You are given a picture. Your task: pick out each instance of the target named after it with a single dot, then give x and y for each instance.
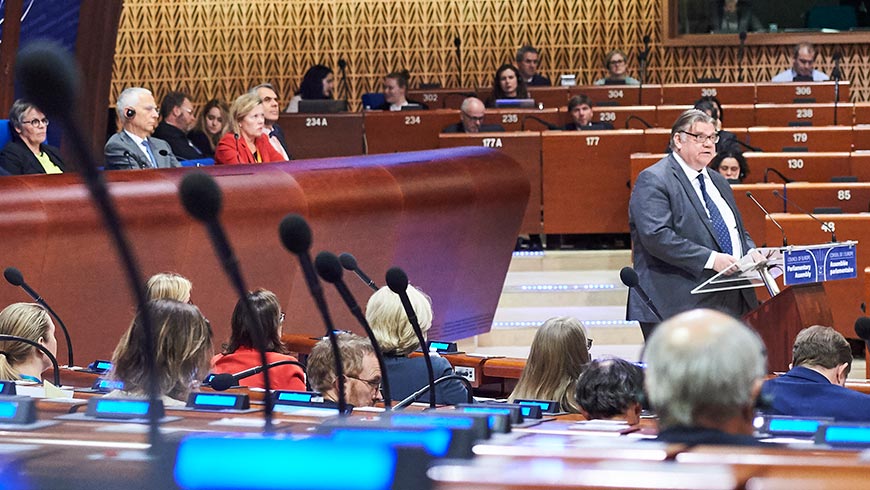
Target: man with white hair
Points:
(704, 372)
(472, 112)
(133, 147)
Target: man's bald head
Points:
(472, 112)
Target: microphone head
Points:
(49, 77)
(200, 196)
(742, 36)
(837, 56)
(647, 39)
(295, 234)
(348, 261)
(862, 327)
(749, 194)
(13, 276)
(628, 276)
(342, 63)
(397, 280)
(457, 41)
(222, 382)
(776, 193)
(328, 267)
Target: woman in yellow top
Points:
(26, 152)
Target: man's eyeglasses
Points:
(588, 344)
(475, 119)
(616, 62)
(36, 122)
(281, 318)
(701, 138)
(374, 384)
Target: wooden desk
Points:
(862, 113)
(323, 135)
(619, 115)
(519, 119)
(586, 180)
(735, 115)
(727, 93)
(799, 93)
(525, 148)
(550, 97)
(656, 140)
(441, 98)
(611, 95)
(861, 137)
(821, 138)
(753, 218)
(390, 132)
(802, 114)
(807, 167)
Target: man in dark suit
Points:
(178, 119)
(685, 228)
(271, 111)
(472, 112)
(815, 386)
(133, 147)
(527, 64)
(703, 373)
(580, 109)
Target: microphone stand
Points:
(837, 76)
(422, 391)
(458, 43)
(740, 56)
(642, 58)
(342, 65)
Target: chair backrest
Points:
(371, 100)
(5, 132)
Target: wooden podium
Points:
(779, 319)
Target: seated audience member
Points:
(704, 371)
(558, 355)
(133, 147)
(168, 285)
(241, 352)
(580, 109)
(317, 83)
(395, 87)
(731, 164)
(734, 16)
(712, 107)
(815, 385)
(212, 123)
(611, 389)
(27, 152)
(396, 338)
(507, 84)
(271, 111)
(616, 63)
(527, 63)
(20, 361)
(178, 119)
(245, 142)
(472, 112)
(804, 58)
(362, 386)
(182, 340)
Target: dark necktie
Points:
(719, 226)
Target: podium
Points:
(802, 303)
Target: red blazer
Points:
(232, 150)
(286, 377)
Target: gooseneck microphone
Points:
(767, 214)
(457, 42)
(628, 276)
(636, 118)
(836, 75)
(643, 57)
(225, 381)
(329, 269)
(748, 146)
(296, 236)
(202, 199)
(48, 354)
(342, 66)
(777, 172)
(397, 281)
(15, 278)
(740, 50)
(422, 391)
(49, 78)
(348, 261)
(549, 126)
(824, 225)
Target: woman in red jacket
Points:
(245, 142)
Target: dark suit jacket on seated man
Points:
(178, 119)
(133, 147)
(683, 233)
(815, 386)
(471, 115)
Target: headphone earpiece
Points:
(130, 113)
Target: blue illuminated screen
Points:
(122, 406)
(440, 345)
(848, 434)
(410, 420)
(290, 396)
(215, 400)
(792, 425)
(435, 440)
(8, 409)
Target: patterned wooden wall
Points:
(219, 48)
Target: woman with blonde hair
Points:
(245, 142)
(169, 285)
(182, 341)
(559, 353)
(20, 361)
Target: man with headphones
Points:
(133, 147)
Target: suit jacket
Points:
(538, 81)
(484, 128)
(123, 153)
(17, 159)
(672, 238)
(182, 147)
(232, 150)
(279, 134)
(408, 374)
(593, 126)
(802, 392)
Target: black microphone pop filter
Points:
(397, 280)
(200, 196)
(742, 36)
(457, 41)
(862, 328)
(328, 267)
(13, 276)
(222, 382)
(647, 39)
(628, 276)
(295, 234)
(348, 261)
(48, 76)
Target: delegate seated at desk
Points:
(616, 64)
(472, 112)
(804, 58)
(362, 386)
(580, 108)
(27, 152)
(20, 361)
(134, 147)
(507, 83)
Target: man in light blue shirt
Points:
(802, 69)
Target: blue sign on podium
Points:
(820, 263)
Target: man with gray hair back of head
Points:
(815, 385)
(133, 147)
(704, 372)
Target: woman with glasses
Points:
(26, 152)
(559, 353)
(616, 63)
(241, 353)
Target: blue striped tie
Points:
(151, 155)
(719, 226)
